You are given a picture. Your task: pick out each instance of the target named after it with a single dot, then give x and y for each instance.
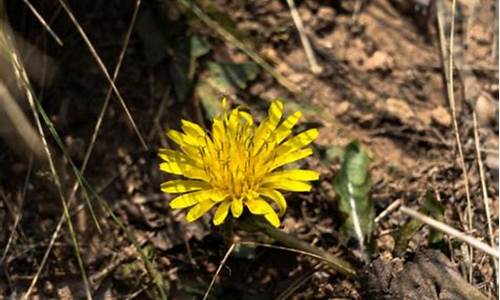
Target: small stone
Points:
(342, 108)
(386, 243)
(441, 116)
(48, 288)
(326, 14)
(486, 109)
(296, 77)
(425, 116)
(379, 61)
(399, 109)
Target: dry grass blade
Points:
(298, 283)
(451, 231)
(219, 268)
(155, 275)
(152, 272)
(104, 70)
(98, 124)
(448, 71)
(236, 42)
(21, 74)
(17, 130)
(315, 68)
(484, 189)
(44, 24)
(393, 206)
(20, 212)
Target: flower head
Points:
(237, 164)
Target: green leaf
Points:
(183, 66)
(162, 38)
(154, 44)
(223, 79)
(435, 209)
(210, 99)
(431, 207)
(227, 77)
(352, 184)
(157, 34)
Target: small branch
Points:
(315, 68)
(223, 261)
(43, 22)
(451, 231)
(393, 206)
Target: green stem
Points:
(338, 264)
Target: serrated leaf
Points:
(222, 79)
(209, 98)
(227, 77)
(353, 184)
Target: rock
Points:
(425, 116)
(342, 108)
(386, 243)
(441, 116)
(379, 61)
(326, 14)
(399, 109)
(486, 109)
(305, 14)
(297, 78)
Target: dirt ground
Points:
(382, 83)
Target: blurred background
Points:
(88, 89)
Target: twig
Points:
(451, 231)
(214, 278)
(357, 9)
(315, 68)
(484, 188)
(44, 24)
(451, 98)
(393, 206)
(105, 105)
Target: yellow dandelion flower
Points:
(238, 164)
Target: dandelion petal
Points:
(221, 212)
(199, 210)
(272, 218)
(182, 186)
(258, 206)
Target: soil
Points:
(382, 84)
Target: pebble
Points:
(441, 116)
